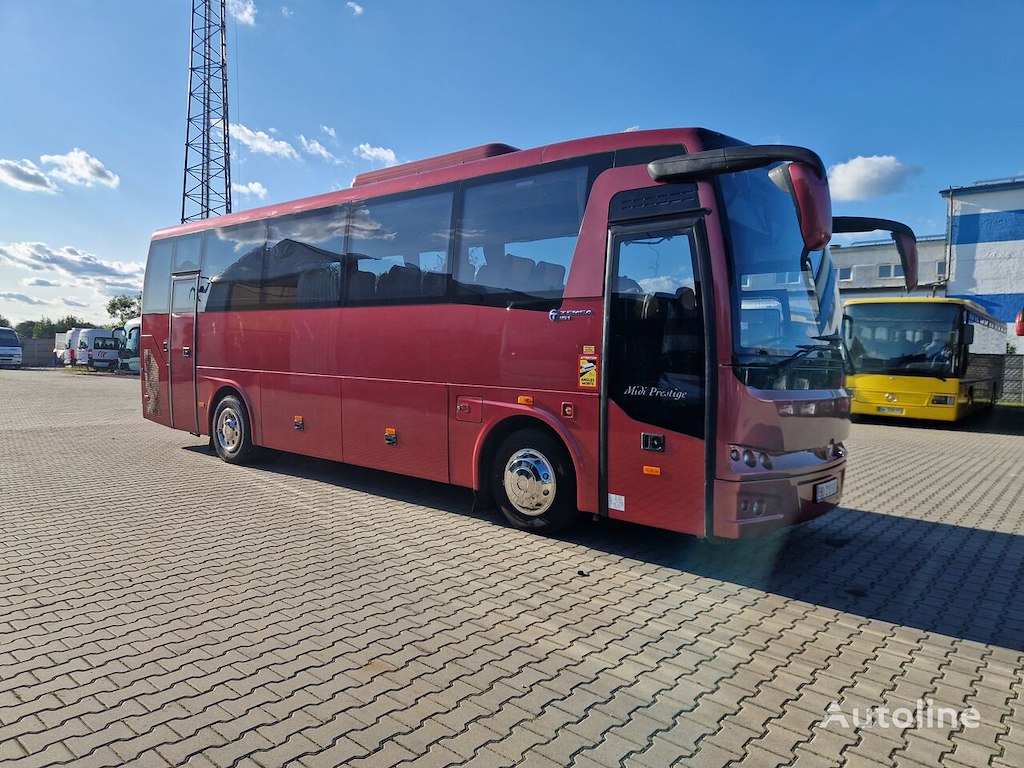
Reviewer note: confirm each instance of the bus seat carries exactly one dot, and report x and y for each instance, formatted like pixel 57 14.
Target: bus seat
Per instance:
pixel 434 284
pixel 547 276
pixel 399 282
pixel 318 287
pixel 492 274
pixel 518 271
pixel 361 285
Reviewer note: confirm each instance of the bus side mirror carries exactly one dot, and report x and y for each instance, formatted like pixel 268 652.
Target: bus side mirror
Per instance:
pixel 906 241
pixel 906 246
pixel 811 199
pixel 968 338
pixel 1020 323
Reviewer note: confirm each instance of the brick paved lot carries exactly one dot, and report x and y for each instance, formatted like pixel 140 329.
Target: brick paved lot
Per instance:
pixel 159 607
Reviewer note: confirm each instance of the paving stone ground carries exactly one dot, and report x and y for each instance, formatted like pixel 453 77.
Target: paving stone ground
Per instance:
pixel 159 607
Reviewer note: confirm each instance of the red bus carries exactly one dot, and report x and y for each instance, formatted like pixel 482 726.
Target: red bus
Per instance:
pixel 642 326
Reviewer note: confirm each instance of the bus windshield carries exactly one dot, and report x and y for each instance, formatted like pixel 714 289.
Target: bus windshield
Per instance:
pixel 786 312
pixel 916 339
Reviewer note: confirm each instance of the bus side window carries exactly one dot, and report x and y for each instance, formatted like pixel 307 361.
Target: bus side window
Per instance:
pixel 519 233
pixel 302 268
pixel 404 242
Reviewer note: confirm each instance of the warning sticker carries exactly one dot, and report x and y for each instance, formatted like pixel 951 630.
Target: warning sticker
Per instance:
pixel 588 371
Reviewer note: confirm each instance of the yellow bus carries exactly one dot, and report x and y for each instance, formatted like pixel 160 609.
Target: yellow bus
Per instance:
pixel 927 358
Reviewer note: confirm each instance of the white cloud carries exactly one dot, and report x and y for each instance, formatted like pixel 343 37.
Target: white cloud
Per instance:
pixel 82 169
pixel 632 129
pixel 287 12
pixel 380 155
pixel 329 131
pixel 243 11
pixel 262 143
pixel 21 298
pixel 26 176
pixel 106 277
pixel 73 303
pixel 252 189
pixel 865 177
pixel 38 282
pixel 315 148
pixel 357 9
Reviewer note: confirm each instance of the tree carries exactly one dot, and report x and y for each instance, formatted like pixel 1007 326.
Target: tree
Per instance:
pixel 4 322
pixel 123 308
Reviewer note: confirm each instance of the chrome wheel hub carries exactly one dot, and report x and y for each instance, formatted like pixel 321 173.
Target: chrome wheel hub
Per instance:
pixel 229 431
pixel 530 482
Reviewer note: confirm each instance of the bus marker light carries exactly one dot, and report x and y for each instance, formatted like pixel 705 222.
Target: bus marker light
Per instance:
pixel 202 404
pixel 749 459
pixel 568 411
pixel 524 400
pixel 655 471
pixel 943 400
pixel 299 423
pixel 390 436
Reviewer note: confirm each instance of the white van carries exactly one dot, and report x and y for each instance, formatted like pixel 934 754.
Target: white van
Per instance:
pixel 71 345
pixel 97 348
pixel 10 348
pixel 129 353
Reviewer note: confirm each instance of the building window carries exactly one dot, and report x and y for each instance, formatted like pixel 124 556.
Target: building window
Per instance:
pixel 890 270
pixel 940 269
pixel 846 273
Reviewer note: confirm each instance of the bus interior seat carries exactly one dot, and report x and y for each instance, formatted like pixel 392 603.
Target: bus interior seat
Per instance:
pixel 517 271
pixel 320 287
pixel 361 285
pixel 492 274
pixel 434 284
pixel 547 276
pixel 399 282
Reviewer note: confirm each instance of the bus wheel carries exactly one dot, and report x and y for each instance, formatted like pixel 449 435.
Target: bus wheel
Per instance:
pixel 232 436
pixel 533 482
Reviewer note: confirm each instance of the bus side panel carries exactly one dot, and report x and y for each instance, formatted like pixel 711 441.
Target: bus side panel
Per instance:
pixel 156 404
pixel 661 489
pixel 396 426
pixel 302 414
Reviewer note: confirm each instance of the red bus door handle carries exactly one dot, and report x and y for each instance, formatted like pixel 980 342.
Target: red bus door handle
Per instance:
pixel 186 351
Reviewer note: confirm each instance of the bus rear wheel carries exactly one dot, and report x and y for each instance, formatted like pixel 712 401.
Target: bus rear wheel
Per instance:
pixel 232 435
pixel 533 482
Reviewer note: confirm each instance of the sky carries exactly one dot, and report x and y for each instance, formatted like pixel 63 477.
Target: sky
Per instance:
pixel 900 100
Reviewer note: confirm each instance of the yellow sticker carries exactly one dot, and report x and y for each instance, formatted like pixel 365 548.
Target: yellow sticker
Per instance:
pixel 588 371
pixel 589 349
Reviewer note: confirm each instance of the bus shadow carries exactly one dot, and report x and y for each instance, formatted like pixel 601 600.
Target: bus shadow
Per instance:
pixel 999 420
pixel 934 577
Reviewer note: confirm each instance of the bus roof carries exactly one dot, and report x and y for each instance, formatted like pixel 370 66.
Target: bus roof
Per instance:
pixel 971 305
pixel 464 164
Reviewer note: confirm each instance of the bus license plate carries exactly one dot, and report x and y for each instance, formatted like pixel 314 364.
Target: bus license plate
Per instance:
pixel 887 409
pixel 826 490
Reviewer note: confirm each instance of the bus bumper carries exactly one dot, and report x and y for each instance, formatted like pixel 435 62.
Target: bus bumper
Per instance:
pixel 905 411
pixel 749 508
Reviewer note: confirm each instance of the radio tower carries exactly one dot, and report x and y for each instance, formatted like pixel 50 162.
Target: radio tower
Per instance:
pixel 207 188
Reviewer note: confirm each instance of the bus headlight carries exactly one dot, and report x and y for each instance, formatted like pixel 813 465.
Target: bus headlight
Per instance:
pixel 943 399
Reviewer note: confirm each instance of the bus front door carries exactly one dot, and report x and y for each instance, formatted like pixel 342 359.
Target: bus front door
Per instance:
pixel 181 353
pixel 654 420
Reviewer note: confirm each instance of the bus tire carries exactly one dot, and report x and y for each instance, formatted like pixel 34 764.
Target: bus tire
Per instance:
pixel 232 433
pixel 533 482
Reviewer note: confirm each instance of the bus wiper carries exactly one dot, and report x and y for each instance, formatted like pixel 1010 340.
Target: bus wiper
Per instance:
pixel 803 350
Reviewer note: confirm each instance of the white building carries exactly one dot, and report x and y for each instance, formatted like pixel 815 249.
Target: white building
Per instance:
pixel 986 243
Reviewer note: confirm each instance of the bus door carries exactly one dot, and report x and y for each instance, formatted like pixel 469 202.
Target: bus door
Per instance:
pixel 654 383
pixel 181 354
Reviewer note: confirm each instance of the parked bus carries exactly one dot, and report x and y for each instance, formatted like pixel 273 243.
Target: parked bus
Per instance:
pixel 128 355
pixel 641 326
pixel 927 358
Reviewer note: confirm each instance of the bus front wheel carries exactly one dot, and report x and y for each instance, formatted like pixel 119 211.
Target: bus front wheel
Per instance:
pixel 232 435
pixel 533 482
